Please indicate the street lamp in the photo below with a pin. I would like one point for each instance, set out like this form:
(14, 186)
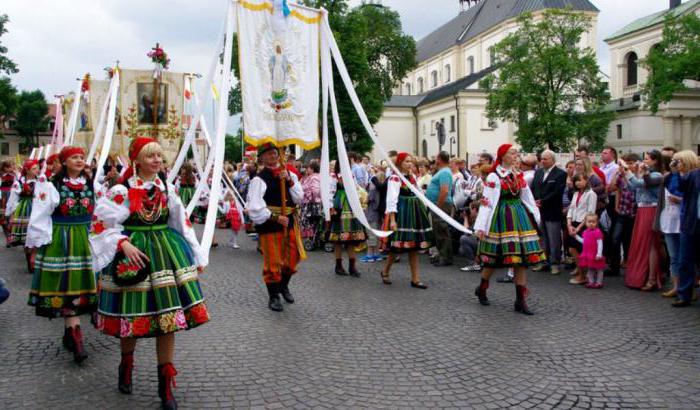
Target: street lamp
(440, 128)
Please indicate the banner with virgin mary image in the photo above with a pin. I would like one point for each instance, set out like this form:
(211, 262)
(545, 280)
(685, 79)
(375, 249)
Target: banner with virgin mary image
(278, 45)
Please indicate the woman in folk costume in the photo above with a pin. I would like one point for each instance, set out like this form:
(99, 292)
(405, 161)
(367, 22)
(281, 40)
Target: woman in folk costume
(7, 180)
(19, 209)
(408, 218)
(345, 230)
(53, 165)
(277, 225)
(148, 257)
(186, 184)
(506, 227)
(64, 282)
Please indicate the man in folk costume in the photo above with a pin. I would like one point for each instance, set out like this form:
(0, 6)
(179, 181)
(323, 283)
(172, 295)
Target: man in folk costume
(276, 224)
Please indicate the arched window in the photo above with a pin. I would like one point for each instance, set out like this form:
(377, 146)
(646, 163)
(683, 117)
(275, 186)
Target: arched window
(631, 69)
(433, 79)
(420, 85)
(408, 88)
(470, 64)
(492, 56)
(448, 73)
(424, 149)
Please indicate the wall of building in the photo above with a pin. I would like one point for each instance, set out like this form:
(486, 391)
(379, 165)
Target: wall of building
(396, 130)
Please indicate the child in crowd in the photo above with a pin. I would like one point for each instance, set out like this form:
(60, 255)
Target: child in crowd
(583, 203)
(374, 214)
(591, 257)
(233, 215)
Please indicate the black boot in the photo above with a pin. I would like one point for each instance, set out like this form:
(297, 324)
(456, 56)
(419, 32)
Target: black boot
(166, 382)
(79, 353)
(353, 270)
(284, 288)
(68, 339)
(274, 304)
(125, 369)
(480, 292)
(339, 268)
(520, 303)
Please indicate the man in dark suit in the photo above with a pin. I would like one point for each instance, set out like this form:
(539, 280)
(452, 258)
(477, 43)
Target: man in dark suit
(548, 189)
(690, 236)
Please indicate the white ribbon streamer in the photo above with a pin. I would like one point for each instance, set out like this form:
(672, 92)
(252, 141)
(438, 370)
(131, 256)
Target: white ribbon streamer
(191, 131)
(109, 131)
(101, 123)
(73, 119)
(342, 70)
(219, 140)
(326, 67)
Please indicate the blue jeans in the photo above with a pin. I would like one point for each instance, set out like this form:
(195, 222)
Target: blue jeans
(687, 254)
(673, 245)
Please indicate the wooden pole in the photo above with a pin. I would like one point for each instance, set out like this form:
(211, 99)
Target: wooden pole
(156, 91)
(283, 188)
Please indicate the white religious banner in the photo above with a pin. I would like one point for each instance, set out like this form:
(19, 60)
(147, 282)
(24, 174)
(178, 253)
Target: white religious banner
(278, 45)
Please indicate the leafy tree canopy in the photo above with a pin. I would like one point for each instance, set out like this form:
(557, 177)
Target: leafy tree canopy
(548, 85)
(6, 65)
(32, 111)
(675, 59)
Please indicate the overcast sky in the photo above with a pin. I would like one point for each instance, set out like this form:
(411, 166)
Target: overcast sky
(56, 41)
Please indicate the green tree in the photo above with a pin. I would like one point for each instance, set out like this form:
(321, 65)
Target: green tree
(6, 65)
(675, 59)
(232, 150)
(32, 111)
(548, 85)
(8, 98)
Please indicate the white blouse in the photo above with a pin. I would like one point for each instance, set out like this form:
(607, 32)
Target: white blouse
(586, 205)
(112, 210)
(256, 206)
(491, 196)
(670, 218)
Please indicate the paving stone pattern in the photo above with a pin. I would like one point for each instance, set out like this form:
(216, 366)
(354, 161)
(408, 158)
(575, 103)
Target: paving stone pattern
(355, 343)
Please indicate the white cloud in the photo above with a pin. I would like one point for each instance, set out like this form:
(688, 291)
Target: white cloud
(54, 42)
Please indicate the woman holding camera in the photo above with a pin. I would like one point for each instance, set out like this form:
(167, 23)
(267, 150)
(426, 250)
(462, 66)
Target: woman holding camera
(644, 261)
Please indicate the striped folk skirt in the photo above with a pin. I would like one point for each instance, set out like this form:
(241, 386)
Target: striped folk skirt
(19, 220)
(63, 284)
(344, 227)
(512, 239)
(186, 193)
(413, 230)
(169, 300)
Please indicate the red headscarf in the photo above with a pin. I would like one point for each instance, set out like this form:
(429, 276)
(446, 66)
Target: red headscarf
(68, 152)
(502, 151)
(134, 150)
(401, 157)
(50, 160)
(137, 145)
(28, 164)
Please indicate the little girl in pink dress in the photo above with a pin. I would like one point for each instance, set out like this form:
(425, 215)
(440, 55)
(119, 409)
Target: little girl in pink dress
(591, 258)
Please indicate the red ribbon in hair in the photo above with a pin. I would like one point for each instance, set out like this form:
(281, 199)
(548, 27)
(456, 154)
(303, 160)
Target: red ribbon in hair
(69, 151)
(401, 157)
(50, 160)
(502, 151)
(137, 145)
(28, 164)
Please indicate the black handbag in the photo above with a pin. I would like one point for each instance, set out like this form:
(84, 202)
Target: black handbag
(127, 273)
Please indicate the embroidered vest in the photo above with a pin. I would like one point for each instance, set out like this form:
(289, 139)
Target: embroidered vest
(273, 199)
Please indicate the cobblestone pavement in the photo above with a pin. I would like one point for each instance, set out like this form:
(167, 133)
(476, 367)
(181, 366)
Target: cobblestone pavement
(351, 343)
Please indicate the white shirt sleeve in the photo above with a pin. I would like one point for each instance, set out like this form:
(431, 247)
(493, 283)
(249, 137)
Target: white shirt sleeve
(46, 199)
(257, 208)
(600, 248)
(491, 196)
(14, 198)
(392, 194)
(296, 190)
(591, 202)
(107, 230)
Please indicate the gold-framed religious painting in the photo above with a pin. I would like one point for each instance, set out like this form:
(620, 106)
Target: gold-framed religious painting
(146, 103)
